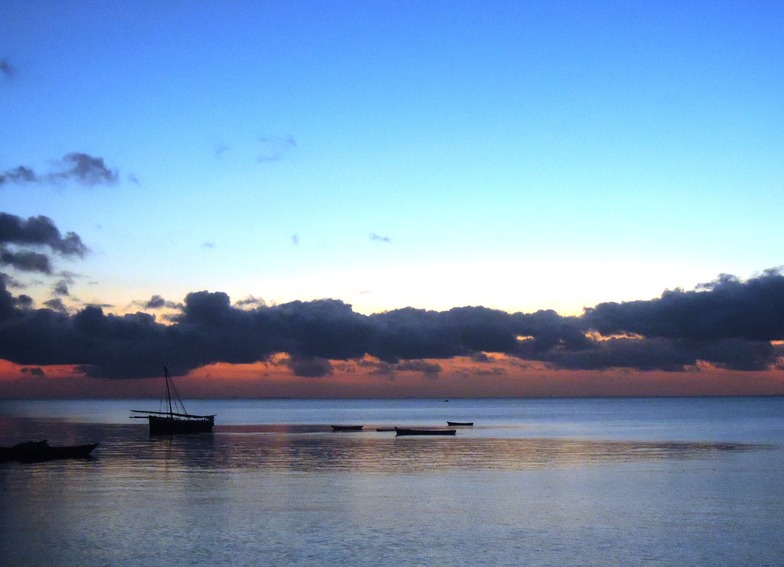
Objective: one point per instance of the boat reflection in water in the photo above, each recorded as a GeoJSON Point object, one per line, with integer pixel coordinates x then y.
{"type": "Point", "coordinates": [176, 420]}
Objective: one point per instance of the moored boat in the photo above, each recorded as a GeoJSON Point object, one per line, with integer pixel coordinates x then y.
{"type": "Point", "coordinates": [173, 422]}
{"type": "Point", "coordinates": [409, 431]}
{"type": "Point", "coordinates": [460, 423]}
{"type": "Point", "coordinates": [347, 427]}
{"type": "Point", "coordinates": [38, 451]}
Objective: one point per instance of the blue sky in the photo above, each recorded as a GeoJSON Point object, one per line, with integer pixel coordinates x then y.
{"type": "Point", "coordinates": [514, 155]}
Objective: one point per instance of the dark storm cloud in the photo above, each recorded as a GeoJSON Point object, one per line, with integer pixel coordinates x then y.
{"type": "Point", "coordinates": [728, 323]}
{"type": "Point", "coordinates": [75, 166]}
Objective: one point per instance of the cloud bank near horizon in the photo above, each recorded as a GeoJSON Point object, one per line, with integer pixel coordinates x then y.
{"type": "Point", "coordinates": [727, 323]}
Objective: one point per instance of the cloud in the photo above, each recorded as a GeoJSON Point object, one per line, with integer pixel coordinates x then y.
{"type": "Point", "coordinates": [61, 288]}
{"type": "Point", "coordinates": [6, 68]}
{"type": "Point", "coordinates": [156, 302]}
{"type": "Point", "coordinates": [275, 148]}
{"type": "Point", "coordinates": [75, 166]}
{"type": "Point", "coordinates": [376, 238]}
{"type": "Point", "coordinates": [427, 368]}
{"type": "Point", "coordinates": [390, 370]}
{"type": "Point", "coordinates": [38, 372]}
{"type": "Point", "coordinates": [25, 261]}
{"type": "Point", "coordinates": [310, 367]}
{"type": "Point", "coordinates": [19, 239]}
{"type": "Point", "coordinates": [723, 309]}
{"type": "Point", "coordinates": [39, 231]}
{"type": "Point", "coordinates": [11, 282]}
{"type": "Point", "coordinates": [86, 169]}
{"type": "Point", "coordinates": [251, 301]}
{"type": "Point", "coordinates": [20, 174]}
{"type": "Point", "coordinates": [728, 323]}
{"type": "Point", "coordinates": [57, 305]}
{"type": "Point", "coordinates": [219, 150]}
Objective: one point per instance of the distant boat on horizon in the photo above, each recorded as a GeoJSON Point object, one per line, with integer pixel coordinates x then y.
{"type": "Point", "coordinates": [399, 431]}
{"type": "Point", "coordinates": [173, 422]}
{"type": "Point", "coordinates": [460, 423]}
{"type": "Point", "coordinates": [347, 427]}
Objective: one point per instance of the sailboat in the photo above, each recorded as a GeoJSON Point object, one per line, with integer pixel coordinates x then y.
{"type": "Point", "coordinates": [176, 419]}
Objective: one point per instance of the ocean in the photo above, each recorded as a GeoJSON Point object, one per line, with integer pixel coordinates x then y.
{"type": "Point", "coordinates": [561, 482]}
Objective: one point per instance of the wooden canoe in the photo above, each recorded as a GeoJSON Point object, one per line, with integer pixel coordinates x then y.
{"type": "Point", "coordinates": [347, 427]}
{"type": "Point", "coordinates": [409, 431]}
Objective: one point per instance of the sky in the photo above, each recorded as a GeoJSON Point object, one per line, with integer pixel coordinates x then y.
{"type": "Point", "coordinates": [364, 198]}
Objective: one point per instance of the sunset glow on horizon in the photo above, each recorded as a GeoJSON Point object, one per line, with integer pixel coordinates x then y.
{"type": "Point", "coordinates": [457, 378]}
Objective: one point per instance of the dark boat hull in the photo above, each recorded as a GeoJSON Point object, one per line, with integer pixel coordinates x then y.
{"type": "Point", "coordinates": [460, 423]}
{"type": "Point", "coordinates": [347, 427]}
{"type": "Point", "coordinates": [39, 451]}
{"type": "Point", "coordinates": [165, 425]}
{"type": "Point", "coordinates": [404, 431]}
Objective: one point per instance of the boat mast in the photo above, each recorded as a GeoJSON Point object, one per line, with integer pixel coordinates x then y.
{"type": "Point", "coordinates": [168, 391]}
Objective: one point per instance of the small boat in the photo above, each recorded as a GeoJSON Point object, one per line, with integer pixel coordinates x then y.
{"type": "Point", "coordinates": [460, 423]}
{"type": "Point", "coordinates": [347, 428]}
{"type": "Point", "coordinates": [39, 451]}
{"type": "Point", "coordinates": [174, 422]}
{"type": "Point", "coordinates": [383, 429]}
{"type": "Point", "coordinates": [408, 431]}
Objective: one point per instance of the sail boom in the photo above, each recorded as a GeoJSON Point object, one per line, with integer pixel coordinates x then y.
{"type": "Point", "coordinates": [173, 414]}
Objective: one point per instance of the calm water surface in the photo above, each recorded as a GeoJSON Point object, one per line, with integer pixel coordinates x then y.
{"type": "Point", "coordinates": [534, 482]}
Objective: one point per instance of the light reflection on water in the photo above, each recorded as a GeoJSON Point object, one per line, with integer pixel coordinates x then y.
{"type": "Point", "coordinates": [315, 448]}
{"type": "Point", "coordinates": [392, 455]}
